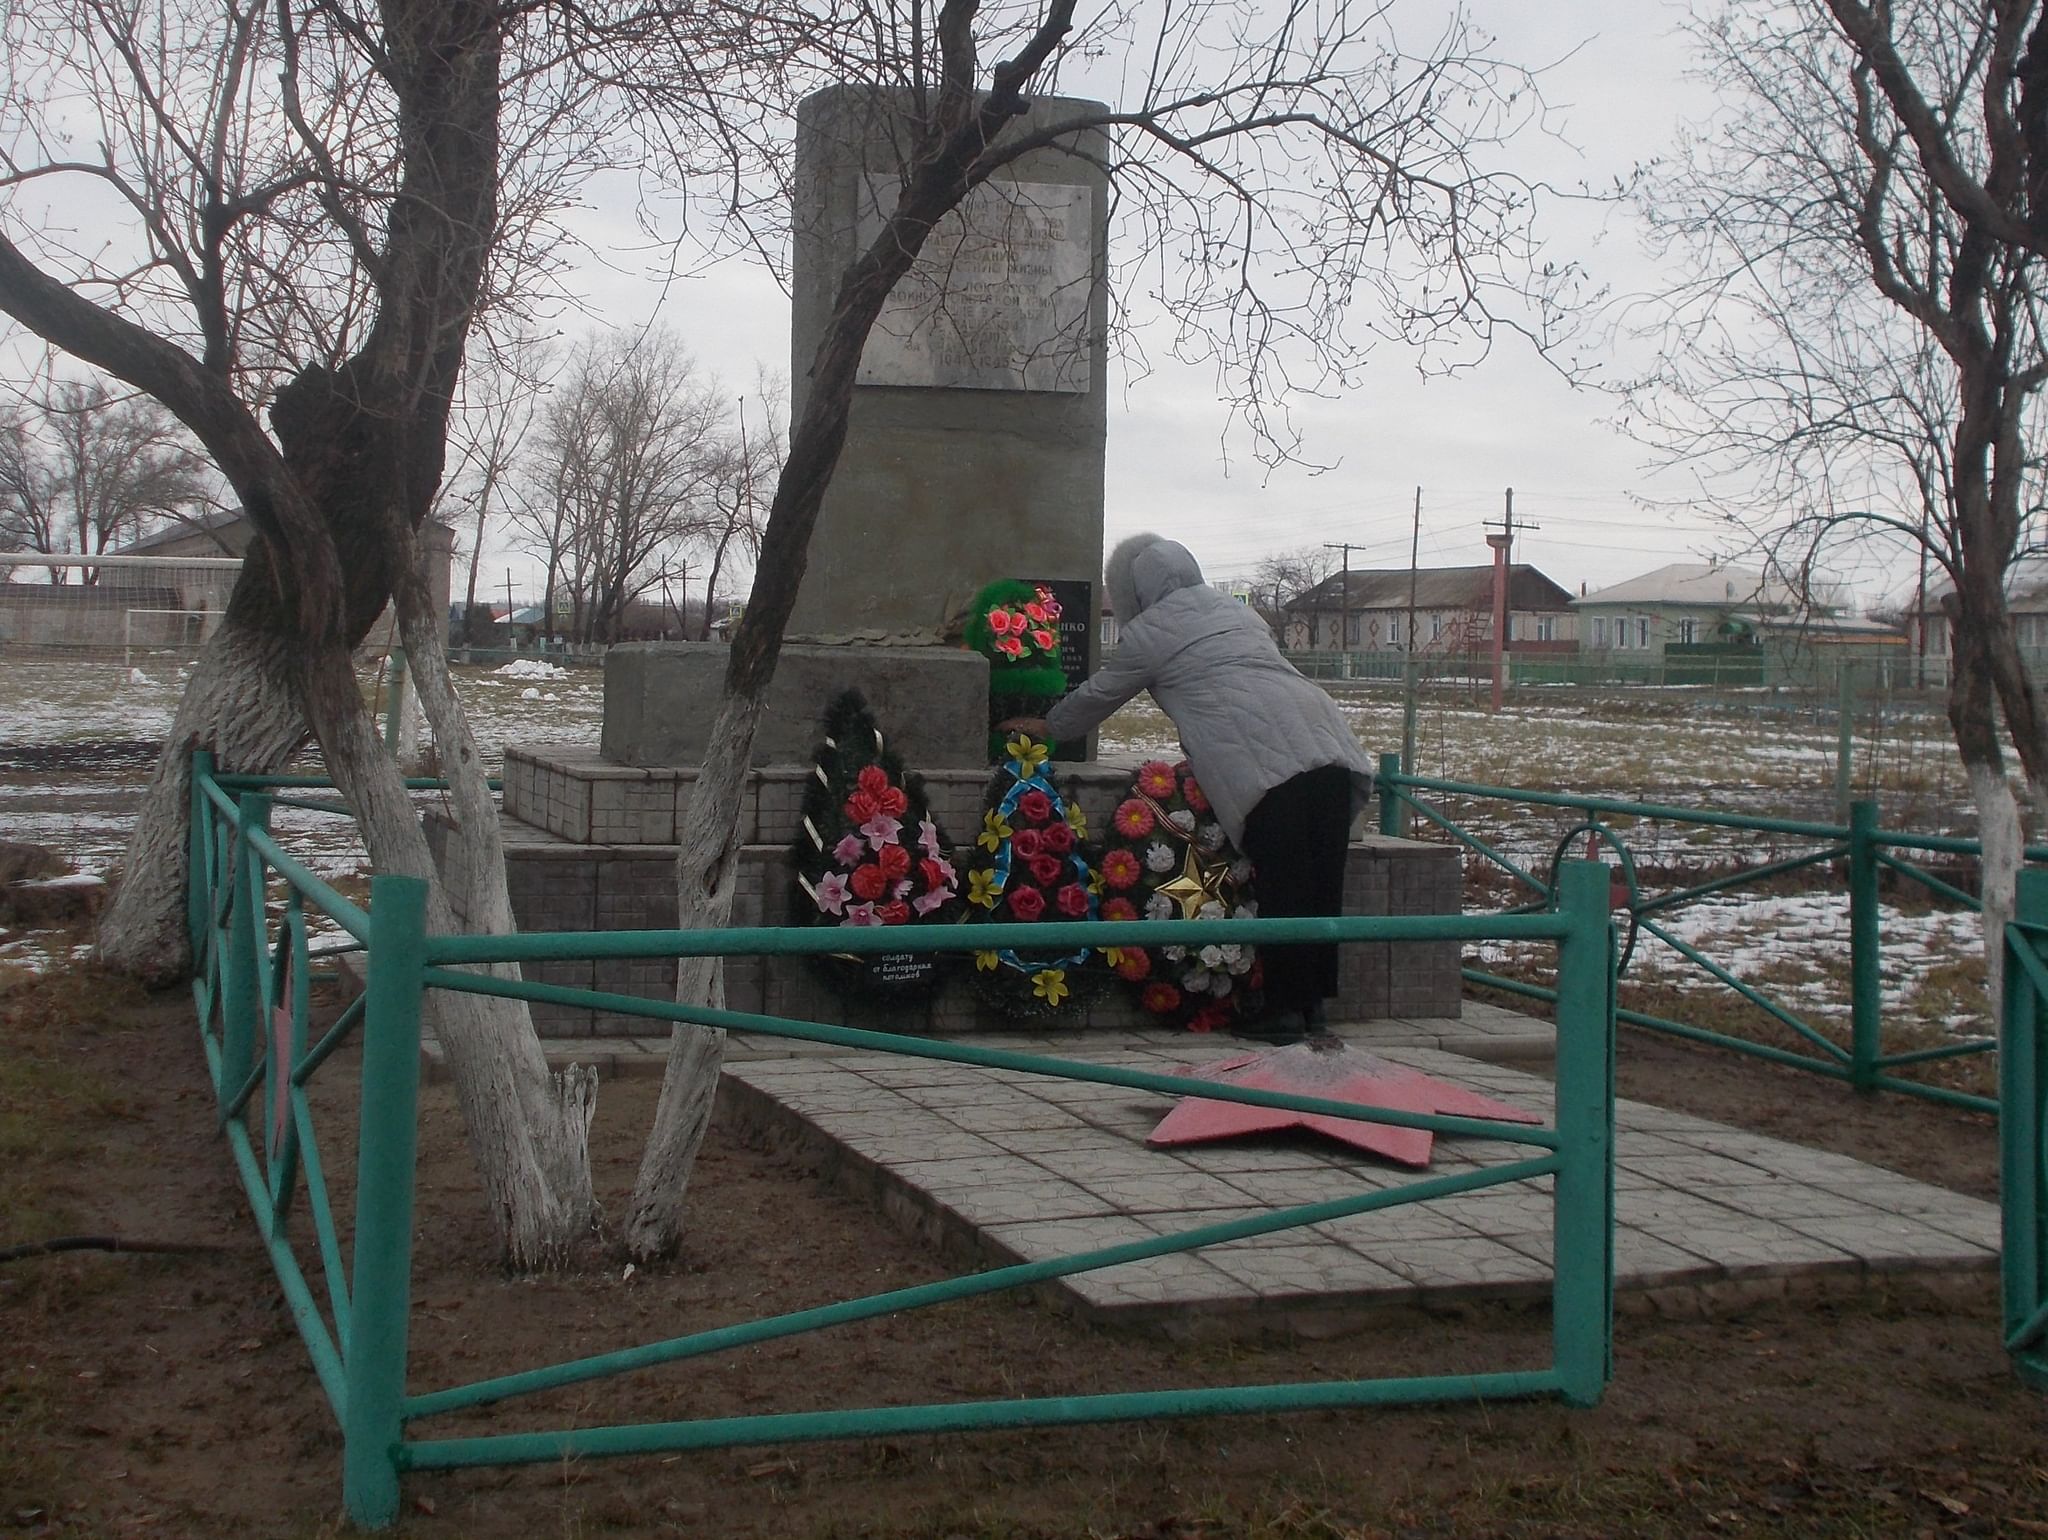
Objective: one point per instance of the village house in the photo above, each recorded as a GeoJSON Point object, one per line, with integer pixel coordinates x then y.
{"type": "Point", "coordinates": [1452, 608]}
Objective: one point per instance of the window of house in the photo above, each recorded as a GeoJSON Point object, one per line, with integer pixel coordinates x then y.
{"type": "Point", "coordinates": [1546, 628]}
{"type": "Point", "coordinates": [1394, 631]}
{"type": "Point", "coordinates": [1436, 628]}
{"type": "Point", "coordinates": [1599, 630]}
{"type": "Point", "coordinates": [1642, 631]}
{"type": "Point", "coordinates": [1688, 630]}
{"type": "Point", "coordinates": [1351, 625]}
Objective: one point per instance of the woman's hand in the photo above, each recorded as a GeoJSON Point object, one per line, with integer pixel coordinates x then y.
{"type": "Point", "coordinates": [1031, 727]}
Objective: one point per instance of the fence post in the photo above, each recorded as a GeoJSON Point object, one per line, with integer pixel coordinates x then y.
{"type": "Point", "coordinates": [1393, 822]}
{"type": "Point", "coordinates": [2021, 1131]}
{"type": "Point", "coordinates": [381, 1285]}
{"type": "Point", "coordinates": [1866, 982]}
{"type": "Point", "coordinates": [1582, 1236]}
{"type": "Point", "coordinates": [1845, 737]}
{"type": "Point", "coordinates": [199, 895]}
{"type": "Point", "coordinates": [241, 984]}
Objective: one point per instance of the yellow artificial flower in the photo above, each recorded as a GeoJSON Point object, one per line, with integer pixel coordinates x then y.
{"type": "Point", "coordinates": [1028, 754]}
{"type": "Point", "coordinates": [1095, 883]}
{"type": "Point", "coordinates": [1050, 985]}
{"type": "Point", "coordinates": [1077, 820]}
{"type": "Point", "coordinates": [993, 830]}
{"type": "Point", "coordinates": [982, 889]}
{"type": "Point", "coordinates": [1113, 956]}
{"type": "Point", "coordinates": [985, 962]}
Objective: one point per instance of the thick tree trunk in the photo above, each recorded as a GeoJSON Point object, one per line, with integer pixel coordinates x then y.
{"type": "Point", "coordinates": [707, 865]}
{"type": "Point", "coordinates": [242, 704]}
{"type": "Point", "coordinates": [528, 1127]}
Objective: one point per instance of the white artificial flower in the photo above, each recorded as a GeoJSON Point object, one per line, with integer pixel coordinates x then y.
{"type": "Point", "coordinates": [1158, 907]}
{"type": "Point", "coordinates": [1158, 858]}
{"type": "Point", "coordinates": [1231, 954]}
{"type": "Point", "coordinates": [1195, 980]}
{"type": "Point", "coordinates": [1240, 870]}
{"type": "Point", "coordinates": [1213, 910]}
{"type": "Point", "coordinates": [1212, 956]}
{"type": "Point", "coordinates": [1248, 910]}
{"type": "Point", "coordinates": [1182, 820]}
{"type": "Point", "coordinates": [1219, 984]}
{"type": "Point", "coordinates": [1211, 838]}
{"type": "Point", "coordinates": [1173, 953]}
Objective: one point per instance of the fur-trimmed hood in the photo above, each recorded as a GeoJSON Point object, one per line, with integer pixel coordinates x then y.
{"type": "Point", "coordinates": [1144, 569]}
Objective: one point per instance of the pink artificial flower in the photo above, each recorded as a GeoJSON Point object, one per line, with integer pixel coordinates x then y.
{"type": "Point", "coordinates": [882, 830]}
{"type": "Point", "coordinates": [928, 840]}
{"type": "Point", "coordinates": [925, 903]}
{"type": "Point", "coordinates": [1037, 612]}
{"type": "Point", "coordinates": [1046, 640]}
{"type": "Point", "coordinates": [1010, 646]}
{"type": "Point", "coordinates": [831, 893]}
{"type": "Point", "coordinates": [849, 851]}
{"type": "Point", "coordinates": [862, 914]}
{"type": "Point", "coordinates": [999, 622]}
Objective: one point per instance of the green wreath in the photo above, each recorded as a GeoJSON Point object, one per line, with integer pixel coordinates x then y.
{"type": "Point", "coordinates": [1016, 626]}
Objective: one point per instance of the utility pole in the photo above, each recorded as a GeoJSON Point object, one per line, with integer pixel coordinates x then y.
{"type": "Point", "coordinates": [1344, 639]}
{"type": "Point", "coordinates": [1408, 673]}
{"type": "Point", "coordinates": [1502, 545]}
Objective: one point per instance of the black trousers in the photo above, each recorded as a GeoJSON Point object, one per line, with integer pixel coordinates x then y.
{"type": "Point", "coordinates": [1296, 838]}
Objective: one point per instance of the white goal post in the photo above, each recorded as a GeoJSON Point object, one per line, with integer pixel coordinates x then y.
{"type": "Point", "coordinates": [111, 607]}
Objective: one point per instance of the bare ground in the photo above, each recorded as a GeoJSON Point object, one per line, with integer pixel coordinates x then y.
{"type": "Point", "coordinates": [168, 1394]}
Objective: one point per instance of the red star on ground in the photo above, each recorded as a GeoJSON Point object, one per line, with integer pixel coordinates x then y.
{"type": "Point", "coordinates": [1336, 1073]}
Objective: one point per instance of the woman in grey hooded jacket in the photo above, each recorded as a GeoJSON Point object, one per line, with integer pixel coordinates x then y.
{"type": "Point", "coordinates": [1276, 759]}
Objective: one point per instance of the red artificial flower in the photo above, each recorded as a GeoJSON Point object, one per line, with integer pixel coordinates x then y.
{"type": "Point", "coordinates": [1058, 838]}
{"type": "Point", "coordinates": [1028, 843]}
{"type": "Point", "coordinates": [1209, 1018]}
{"type": "Point", "coordinates": [873, 780]}
{"type": "Point", "coordinates": [893, 801]}
{"type": "Point", "coordinates": [1193, 792]}
{"type": "Point", "coordinates": [869, 882]}
{"type": "Point", "coordinates": [1072, 901]}
{"type": "Point", "coordinates": [860, 807]}
{"type": "Point", "coordinates": [1134, 963]}
{"type": "Point", "coordinates": [896, 912]}
{"type": "Point", "coordinates": [1027, 903]}
{"type": "Point", "coordinates": [935, 876]}
{"type": "Point", "coordinates": [1045, 870]}
{"type": "Point", "coordinates": [1132, 819]}
{"type": "Point", "coordinates": [1046, 640]}
{"type": "Point", "coordinates": [1120, 869]}
{"type": "Point", "coordinates": [1036, 806]}
{"type": "Point", "coordinates": [1155, 779]}
{"type": "Point", "coordinates": [1037, 612]}
{"type": "Point", "coordinates": [1160, 997]}
{"type": "Point", "coordinates": [894, 861]}
{"type": "Point", "coordinates": [1119, 909]}
{"type": "Point", "coordinates": [1010, 646]}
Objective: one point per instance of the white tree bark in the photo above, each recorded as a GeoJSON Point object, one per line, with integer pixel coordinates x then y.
{"type": "Point", "coordinates": [707, 865]}
{"type": "Point", "coordinates": [241, 704]}
{"type": "Point", "coordinates": [2003, 845]}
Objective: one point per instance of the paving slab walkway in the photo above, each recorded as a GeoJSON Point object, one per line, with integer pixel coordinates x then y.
{"type": "Point", "coordinates": [994, 1167]}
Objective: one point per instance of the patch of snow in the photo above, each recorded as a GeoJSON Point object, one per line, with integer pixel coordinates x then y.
{"type": "Point", "coordinates": [531, 668]}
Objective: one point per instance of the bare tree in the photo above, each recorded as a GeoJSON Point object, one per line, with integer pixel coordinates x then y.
{"type": "Point", "coordinates": [92, 470]}
{"type": "Point", "coordinates": [1859, 338]}
{"type": "Point", "coordinates": [313, 195]}
{"type": "Point", "coordinates": [745, 475]}
{"type": "Point", "coordinates": [1288, 192]}
{"type": "Point", "coordinates": [1284, 576]}
{"type": "Point", "coordinates": [626, 472]}
{"type": "Point", "coordinates": [494, 410]}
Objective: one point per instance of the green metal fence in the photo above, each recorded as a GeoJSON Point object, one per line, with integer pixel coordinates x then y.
{"type": "Point", "coordinates": [248, 909]}
{"type": "Point", "coordinates": [2023, 1133]}
{"type": "Point", "coordinates": [1860, 848]}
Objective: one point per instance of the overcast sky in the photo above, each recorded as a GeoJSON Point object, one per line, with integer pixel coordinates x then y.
{"type": "Point", "coordinates": [1617, 92]}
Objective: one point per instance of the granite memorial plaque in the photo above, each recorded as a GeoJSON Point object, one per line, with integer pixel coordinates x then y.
{"type": "Point", "coordinates": [999, 297]}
